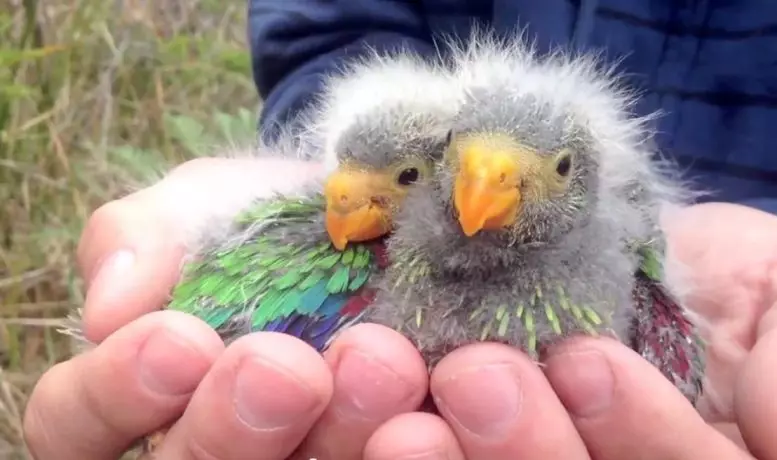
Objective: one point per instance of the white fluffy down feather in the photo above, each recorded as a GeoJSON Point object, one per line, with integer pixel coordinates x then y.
{"type": "Point", "coordinates": [380, 82]}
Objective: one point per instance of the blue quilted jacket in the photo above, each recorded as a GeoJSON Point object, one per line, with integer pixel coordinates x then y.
{"type": "Point", "coordinates": [709, 65]}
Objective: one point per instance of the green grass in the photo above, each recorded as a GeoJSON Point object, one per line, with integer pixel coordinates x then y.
{"type": "Point", "coordinates": [95, 99]}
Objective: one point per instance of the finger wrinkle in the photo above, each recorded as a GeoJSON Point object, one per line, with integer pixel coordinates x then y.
{"type": "Point", "coordinates": [95, 408]}
{"type": "Point", "coordinates": [38, 436]}
{"type": "Point", "coordinates": [197, 451]}
{"type": "Point", "coordinates": [583, 379]}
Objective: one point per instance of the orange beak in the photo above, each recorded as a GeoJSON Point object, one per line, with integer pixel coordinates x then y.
{"type": "Point", "coordinates": [355, 208]}
{"type": "Point", "coordinates": [486, 193]}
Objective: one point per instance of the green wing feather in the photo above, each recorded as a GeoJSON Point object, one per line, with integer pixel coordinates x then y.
{"type": "Point", "coordinates": [650, 262]}
{"type": "Point", "coordinates": [278, 271]}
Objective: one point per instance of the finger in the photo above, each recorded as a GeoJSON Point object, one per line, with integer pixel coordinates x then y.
{"type": "Point", "coordinates": [732, 432]}
{"type": "Point", "coordinates": [754, 403]}
{"type": "Point", "coordinates": [414, 436]}
{"type": "Point", "coordinates": [500, 406]}
{"type": "Point", "coordinates": [377, 374]}
{"type": "Point", "coordinates": [624, 408]}
{"type": "Point", "coordinates": [130, 254]}
{"type": "Point", "coordinates": [258, 402]}
{"type": "Point", "coordinates": [98, 403]}
{"type": "Point", "coordinates": [131, 249]}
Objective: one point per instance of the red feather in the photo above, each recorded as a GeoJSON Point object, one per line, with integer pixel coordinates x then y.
{"type": "Point", "coordinates": [664, 336]}
{"type": "Point", "coordinates": [379, 251]}
{"type": "Point", "coordinates": [358, 303]}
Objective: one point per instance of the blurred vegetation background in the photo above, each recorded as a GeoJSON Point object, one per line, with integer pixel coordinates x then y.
{"type": "Point", "coordinates": [97, 97]}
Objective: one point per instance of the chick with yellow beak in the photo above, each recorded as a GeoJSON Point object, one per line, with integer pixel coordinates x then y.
{"type": "Point", "coordinates": [487, 188]}
{"type": "Point", "coordinates": [359, 205]}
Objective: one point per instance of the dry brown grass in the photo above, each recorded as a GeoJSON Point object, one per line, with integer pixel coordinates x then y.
{"type": "Point", "coordinates": [89, 94]}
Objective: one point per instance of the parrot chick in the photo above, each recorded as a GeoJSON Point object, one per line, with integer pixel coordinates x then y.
{"type": "Point", "coordinates": [541, 222]}
{"type": "Point", "coordinates": [305, 264]}
{"type": "Point", "coordinates": [302, 263]}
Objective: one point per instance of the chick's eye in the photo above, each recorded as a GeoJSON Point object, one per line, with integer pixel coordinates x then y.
{"type": "Point", "coordinates": [408, 176]}
{"type": "Point", "coordinates": [449, 137]}
{"type": "Point", "coordinates": [564, 165]}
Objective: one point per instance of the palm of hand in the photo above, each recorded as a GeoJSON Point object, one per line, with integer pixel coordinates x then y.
{"type": "Point", "coordinates": [731, 254]}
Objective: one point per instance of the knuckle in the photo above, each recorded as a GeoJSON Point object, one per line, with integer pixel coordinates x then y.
{"type": "Point", "coordinates": [104, 220]}
{"type": "Point", "coordinates": [107, 215]}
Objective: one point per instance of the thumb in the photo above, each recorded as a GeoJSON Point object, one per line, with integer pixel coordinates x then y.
{"type": "Point", "coordinates": [131, 249]}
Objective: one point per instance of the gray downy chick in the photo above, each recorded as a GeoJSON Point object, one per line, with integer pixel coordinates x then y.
{"type": "Point", "coordinates": [542, 221]}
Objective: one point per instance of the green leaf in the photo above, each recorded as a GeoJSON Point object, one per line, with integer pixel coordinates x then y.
{"type": "Point", "coordinates": [15, 91]}
{"type": "Point", "coordinates": [12, 56]}
{"type": "Point", "coordinates": [188, 132]}
{"type": "Point", "coordinates": [143, 165]}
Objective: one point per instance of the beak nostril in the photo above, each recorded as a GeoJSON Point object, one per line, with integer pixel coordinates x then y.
{"type": "Point", "coordinates": [502, 178]}
{"type": "Point", "coordinates": [344, 198]}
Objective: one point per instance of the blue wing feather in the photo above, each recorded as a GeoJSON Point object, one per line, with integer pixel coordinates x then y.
{"type": "Point", "coordinates": [313, 298]}
{"type": "Point", "coordinates": [310, 291]}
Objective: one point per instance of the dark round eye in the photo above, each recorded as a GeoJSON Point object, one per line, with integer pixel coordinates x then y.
{"type": "Point", "coordinates": [449, 137]}
{"type": "Point", "coordinates": [564, 165]}
{"type": "Point", "coordinates": [408, 176]}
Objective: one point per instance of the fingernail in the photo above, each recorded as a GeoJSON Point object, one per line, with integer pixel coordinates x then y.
{"type": "Point", "coordinates": [367, 389]}
{"type": "Point", "coordinates": [484, 400]}
{"type": "Point", "coordinates": [160, 364]}
{"type": "Point", "coordinates": [582, 380]}
{"type": "Point", "coordinates": [269, 397]}
{"type": "Point", "coordinates": [114, 267]}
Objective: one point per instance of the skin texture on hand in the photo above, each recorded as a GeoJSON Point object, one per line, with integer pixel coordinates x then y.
{"type": "Point", "coordinates": [270, 396]}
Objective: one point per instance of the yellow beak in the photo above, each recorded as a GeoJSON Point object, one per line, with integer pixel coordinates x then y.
{"type": "Point", "coordinates": [486, 193]}
{"type": "Point", "coordinates": [355, 208]}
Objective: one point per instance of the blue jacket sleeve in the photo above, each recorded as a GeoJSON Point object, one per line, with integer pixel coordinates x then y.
{"type": "Point", "coordinates": [294, 43]}
{"type": "Point", "coordinates": [767, 204]}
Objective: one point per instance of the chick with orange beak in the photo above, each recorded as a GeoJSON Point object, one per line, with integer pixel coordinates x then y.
{"type": "Point", "coordinates": [308, 262]}
{"type": "Point", "coordinates": [396, 130]}
{"type": "Point", "coordinates": [501, 183]}
{"type": "Point", "coordinates": [542, 222]}
{"type": "Point", "coordinates": [377, 168]}
{"type": "Point", "coordinates": [361, 200]}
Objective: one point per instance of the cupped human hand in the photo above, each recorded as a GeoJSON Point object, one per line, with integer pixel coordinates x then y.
{"type": "Point", "coordinates": [595, 399]}
{"type": "Point", "coordinates": [266, 396]}
{"type": "Point", "coordinates": [592, 399]}
{"type": "Point", "coordinates": [730, 256]}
